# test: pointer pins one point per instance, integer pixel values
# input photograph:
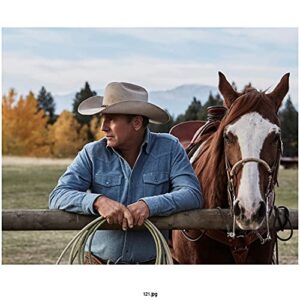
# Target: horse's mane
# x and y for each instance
(210, 166)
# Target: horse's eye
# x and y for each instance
(227, 139)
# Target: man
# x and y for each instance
(128, 176)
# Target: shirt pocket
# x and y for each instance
(108, 185)
(156, 183)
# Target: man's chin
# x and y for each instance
(110, 143)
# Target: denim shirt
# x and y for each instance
(162, 176)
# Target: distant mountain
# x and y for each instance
(175, 100)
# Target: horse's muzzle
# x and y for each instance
(249, 219)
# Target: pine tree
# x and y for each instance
(211, 101)
(289, 129)
(191, 112)
(162, 127)
(46, 102)
(83, 94)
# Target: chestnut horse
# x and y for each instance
(237, 168)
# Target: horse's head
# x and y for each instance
(252, 146)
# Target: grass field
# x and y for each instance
(27, 184)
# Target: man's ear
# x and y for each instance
(137, 122)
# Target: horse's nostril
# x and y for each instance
(262, 209)
(236, 209)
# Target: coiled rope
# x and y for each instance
(78, 242)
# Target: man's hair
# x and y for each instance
(145, 119)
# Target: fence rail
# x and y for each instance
(42, 219)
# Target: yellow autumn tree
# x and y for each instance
(8, 120)
(67, 136)
(24, 129)
(95, 128)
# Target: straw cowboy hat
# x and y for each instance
(124, 98)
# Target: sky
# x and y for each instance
(62, 59)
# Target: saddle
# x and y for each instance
(192, 133)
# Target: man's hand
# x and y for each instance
(114, 212)
(140, 212)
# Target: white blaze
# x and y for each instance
(251, 131)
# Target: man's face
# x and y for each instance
(118, 129)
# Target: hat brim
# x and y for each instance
(155, 114)
(91, 105)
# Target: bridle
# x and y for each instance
(268, 195)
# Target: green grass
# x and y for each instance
(287, 192)
(287, 195)
(28, 186)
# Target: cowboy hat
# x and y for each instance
(124, 98)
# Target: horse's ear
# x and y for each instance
(226, 90)
(280, 90)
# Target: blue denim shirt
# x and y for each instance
(162, 176)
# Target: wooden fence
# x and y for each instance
(289, 162)
(37, 219)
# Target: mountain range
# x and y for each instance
(175, 100)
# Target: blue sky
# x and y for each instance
(62, 59)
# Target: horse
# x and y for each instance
(237, 167)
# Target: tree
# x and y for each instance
(95, 128)
(192, 112)
(211, 101)
(67, 135)
(24, 127)
(8, 122)
(197, 111)
(83, 94)
(289, 129)
(46, 102)
(162, 127)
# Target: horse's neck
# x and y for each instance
(213, 181)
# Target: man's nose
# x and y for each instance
(104, 125)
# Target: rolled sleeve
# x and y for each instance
(71, 193)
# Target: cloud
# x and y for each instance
(184, 43)
(64, 76)
(230, 37)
